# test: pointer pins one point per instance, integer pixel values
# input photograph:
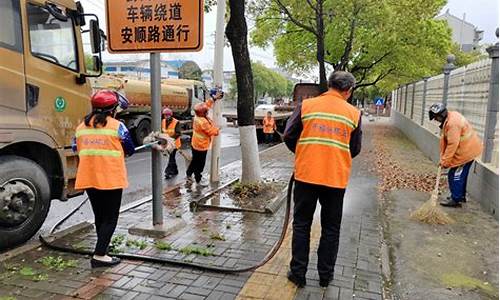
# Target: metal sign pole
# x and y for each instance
(156, 125)
(218, 74)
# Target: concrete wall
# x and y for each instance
(483, 181)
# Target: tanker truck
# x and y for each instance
(44, 95)
(137, 117)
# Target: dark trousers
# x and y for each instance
(106, 206)
(171, 168)
(457, 181)
(306, 196)
(268, 138)
(197, 164)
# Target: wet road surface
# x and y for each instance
(139, 175)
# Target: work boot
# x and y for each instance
(464, 200)
(300, 283)
(451, 203)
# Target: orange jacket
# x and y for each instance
(269, 125)
(203, 131)
(170, 130)
(459, 142)
(322, 154)
(102, 160)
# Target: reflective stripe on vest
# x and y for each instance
(329, 117)
(99, 152)
(96, 131)
(324, 141)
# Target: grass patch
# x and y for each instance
(163, 246)
(116, 244)
(217, 236)
(27, 271)
(139, 244)
(196, 250)
(458, 280)
(7, 298)
(32, 274)
(57, 263)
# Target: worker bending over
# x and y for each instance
(459, 145)
(172, 128)
(325, 134)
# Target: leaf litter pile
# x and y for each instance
(394, 176)
(255, 196)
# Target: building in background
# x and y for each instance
(140, 69)
(465, 34)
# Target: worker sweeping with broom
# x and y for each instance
(460, 145)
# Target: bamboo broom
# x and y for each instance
(430, 212)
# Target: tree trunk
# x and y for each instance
(236, 32)
(320, 47)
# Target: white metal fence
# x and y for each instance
(468, 91)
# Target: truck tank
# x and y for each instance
(137, 117)
(138, 92)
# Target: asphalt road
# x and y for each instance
(139, 175)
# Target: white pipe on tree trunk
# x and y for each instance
(251, 171)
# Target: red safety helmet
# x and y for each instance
(104, 99)
(201, 109)
(167, 112)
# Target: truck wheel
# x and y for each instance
(24, 199)
(141, 131)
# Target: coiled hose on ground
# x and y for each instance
(267, 258)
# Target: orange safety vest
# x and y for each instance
(268, 125)
(203, 131)
(459, 142)
(102, 160)
(322, 155)
(170, 130)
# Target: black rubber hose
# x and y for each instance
(267, 258)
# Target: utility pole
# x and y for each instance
(156, 155)
(218, 80)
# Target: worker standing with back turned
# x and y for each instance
(325, 134)
(459, 145)
(102, 143)
(268, 127)
(172, 128)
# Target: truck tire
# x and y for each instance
(24, 200)
(141, 131)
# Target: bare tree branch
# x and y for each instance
(312, 6)
(368, 67)
(294, 20)
(379, 77)
(348, 43)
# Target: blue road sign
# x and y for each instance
(379, 101)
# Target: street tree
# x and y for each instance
(267, 82)
(382, 42)
(190, 70)
(236, 32)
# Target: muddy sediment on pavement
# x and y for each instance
(458, 261)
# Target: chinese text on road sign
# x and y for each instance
(154, 25)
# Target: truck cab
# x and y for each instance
(44, 95)
(197, 89)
